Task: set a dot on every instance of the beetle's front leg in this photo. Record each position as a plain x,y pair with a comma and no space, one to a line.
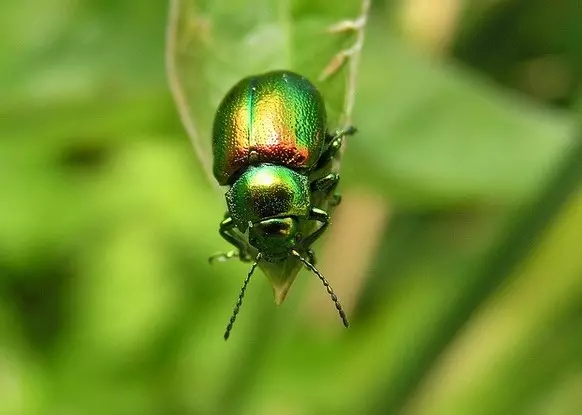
228,231
320,216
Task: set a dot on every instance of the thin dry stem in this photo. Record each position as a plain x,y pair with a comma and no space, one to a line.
176,87
351,56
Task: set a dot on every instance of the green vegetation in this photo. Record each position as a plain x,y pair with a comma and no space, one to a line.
456,250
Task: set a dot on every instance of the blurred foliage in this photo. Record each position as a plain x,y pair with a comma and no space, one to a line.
471,304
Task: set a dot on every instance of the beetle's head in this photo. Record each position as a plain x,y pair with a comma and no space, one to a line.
274,237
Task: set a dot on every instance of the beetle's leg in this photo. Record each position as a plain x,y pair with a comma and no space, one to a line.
311,256
334,141
223,256
342,132
327,184
320,216
228,232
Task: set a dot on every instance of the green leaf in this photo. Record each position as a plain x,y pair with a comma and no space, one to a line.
214,44
209,45
433,134
143,312
541,234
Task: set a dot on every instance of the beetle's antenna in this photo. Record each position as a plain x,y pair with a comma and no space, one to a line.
326,285
241,296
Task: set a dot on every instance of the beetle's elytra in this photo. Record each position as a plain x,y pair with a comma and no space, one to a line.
271,146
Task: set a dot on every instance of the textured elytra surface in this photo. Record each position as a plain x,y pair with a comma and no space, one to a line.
278,117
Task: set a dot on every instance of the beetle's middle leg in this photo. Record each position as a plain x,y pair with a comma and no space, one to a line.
228,231
334,143
327,185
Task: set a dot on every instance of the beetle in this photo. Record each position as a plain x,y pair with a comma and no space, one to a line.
271,147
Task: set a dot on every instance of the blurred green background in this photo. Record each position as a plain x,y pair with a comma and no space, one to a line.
456,251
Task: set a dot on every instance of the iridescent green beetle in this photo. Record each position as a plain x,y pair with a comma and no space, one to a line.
271,146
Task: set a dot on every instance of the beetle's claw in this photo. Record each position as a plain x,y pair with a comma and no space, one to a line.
245,256
223,256
351,130
311,256
335,200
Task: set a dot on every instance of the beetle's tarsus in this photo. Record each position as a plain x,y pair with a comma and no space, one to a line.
228,231
322,217
311,256
327,185
244,256
223,257
349,130
335,142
